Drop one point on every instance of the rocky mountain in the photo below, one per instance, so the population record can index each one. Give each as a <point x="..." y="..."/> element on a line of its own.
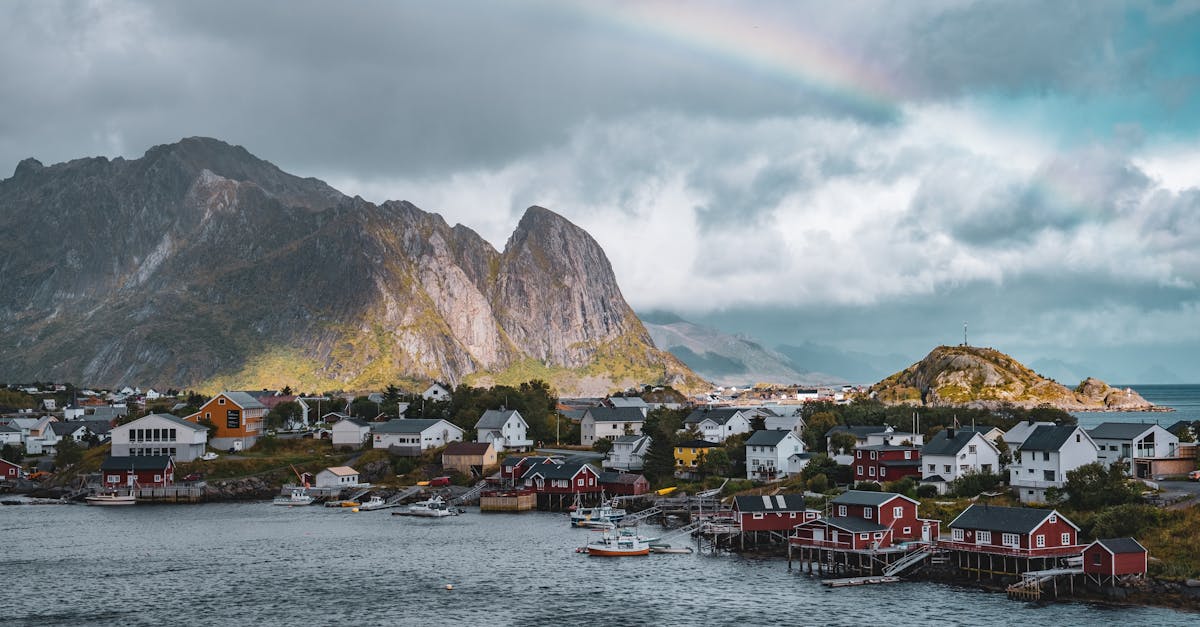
<point x="726" y="359"/>
<point x="984" y="377"/>
<point x="201" y="265"/>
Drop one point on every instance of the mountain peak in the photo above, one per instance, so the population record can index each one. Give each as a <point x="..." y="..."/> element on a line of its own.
<point x="28" y="166"/>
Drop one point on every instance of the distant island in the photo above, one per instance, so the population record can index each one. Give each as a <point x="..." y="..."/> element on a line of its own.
<point x="985" y="378"/>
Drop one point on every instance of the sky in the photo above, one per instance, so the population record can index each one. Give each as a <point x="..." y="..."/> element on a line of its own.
<point x="864" y="175"/>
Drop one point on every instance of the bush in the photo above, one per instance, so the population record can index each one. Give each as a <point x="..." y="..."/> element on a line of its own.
<point x="906" y="486"/>
<point x="1130" y="520"/>
<point x="819" y="483"/>
<point x="868" y="486"/>
<point x="974" y="483"/>
<point x="926" y="491"/>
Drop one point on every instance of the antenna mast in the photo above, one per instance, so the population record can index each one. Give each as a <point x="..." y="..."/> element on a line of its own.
<point x="965" y="334"/>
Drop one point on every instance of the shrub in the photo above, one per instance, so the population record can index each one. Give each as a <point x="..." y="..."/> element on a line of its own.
<point x="819" y="483"/>
<point x="868" y="486"/>
<point x="1130" y="520"/>
<point x="974" y="483"/>
<point x="926" y="491"/>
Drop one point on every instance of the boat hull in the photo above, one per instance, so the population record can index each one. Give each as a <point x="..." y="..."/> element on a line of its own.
<point x="610" y="552"/>
<point x="110" y="501"/>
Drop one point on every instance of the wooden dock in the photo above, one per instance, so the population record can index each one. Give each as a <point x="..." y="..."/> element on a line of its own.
<point x="857" y="581"/>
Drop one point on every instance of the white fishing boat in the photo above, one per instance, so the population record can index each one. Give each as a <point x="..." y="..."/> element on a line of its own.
<point x="373" y="503"/>
<point x="435" y="507"/>
<point x="111" y="497"/>
<point x="618" y="545"/>
<point x="600" y="517"/>
<point x="297" y="497"/>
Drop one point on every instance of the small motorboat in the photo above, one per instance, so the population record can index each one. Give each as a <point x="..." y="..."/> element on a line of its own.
<point x="435" y="507"/>
<point x="297" y="497"/>
<point x="618" y="545"/>
<point x="346" y="503"/>
<point x="111" y="497"/>
<point x="373" y="503"/>
<point x="596" y="516"/>
<point x="666" y="548"/>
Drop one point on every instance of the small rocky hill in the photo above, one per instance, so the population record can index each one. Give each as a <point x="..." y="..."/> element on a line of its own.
<point x="969" y="376"/>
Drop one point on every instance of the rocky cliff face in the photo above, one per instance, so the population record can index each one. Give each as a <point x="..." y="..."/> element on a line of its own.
<point x="983" y="377"/>
<point x="201" y="265"/>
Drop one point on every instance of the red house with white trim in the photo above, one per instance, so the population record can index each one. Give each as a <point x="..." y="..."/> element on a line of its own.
<point x="781" y="512"/>
<point x="10" y="471"/>
<point x="1114" y="557"/>
<point x="1018" y="531"/>
<point x="845" y="533"/>
<point x="147" y="471"/>
<point x="624" y="483"/>
<point x="512" y="468"/>
<point x="896" y="512"/>
<point x="551" y="478"/>
<point x="886" y="462"/>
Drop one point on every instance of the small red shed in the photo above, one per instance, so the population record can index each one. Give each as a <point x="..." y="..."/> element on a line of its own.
<point x="781" y="512"/>
<point x="147" y="471"/>
<point x="624" y="483"/>
<point x="1114" y="557"/>
<point x="9" y="471"/>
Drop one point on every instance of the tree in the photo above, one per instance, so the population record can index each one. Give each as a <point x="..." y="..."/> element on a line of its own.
<point x="659" y="463"/>
<point x="67" y="452"/>
<point x="842" y="442"/>
<point x="716" y="462"/>
<point x="13" y="453"/>
<point x="819" y="483"/>
<point x="816" y="426"/>
<point x="819" y="464"/>
<point x="1005" y="452"/>
<point x="1092" y="486"/>
<point x="602" y="445"/>
<point x="973" y="483"/>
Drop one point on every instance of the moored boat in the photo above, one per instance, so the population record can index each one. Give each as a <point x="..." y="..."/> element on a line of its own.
<point x="618" y="545"/>
<point x="297" y="497"/>
<point x="111" y="497"/>
<point x="435" y="507"/>
<point x="600" y="516"/>
<point x="374" y="502"/>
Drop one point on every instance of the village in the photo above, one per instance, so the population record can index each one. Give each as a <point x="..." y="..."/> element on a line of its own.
<point x="854" y="504"/>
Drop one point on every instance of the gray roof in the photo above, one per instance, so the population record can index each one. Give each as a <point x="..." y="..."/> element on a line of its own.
<point x="719" y="415"/>
<point x="696" y="444"/>
<point x="405" y="425"/>
<point x="852" y="524"/>
<point x="5" y="428"/>
<point x="359" y="422"/>
<point x="177" y="420"/>
<point x="864" y="497"/>
<point x="1003" y="519"/>
<point x="1122" y="545"/>
<point x="1119" y="430"/>
<point x="244" y="400"/>
<point x="943" y="444"/>
<point x="934" y="479"/>
<point x="628" y="439"/>
<point x="766" y="503"/>
<point x="615" y="414"/>
<point x="859" y="431"/>
<point x="627" y="401"/>
<point x="135" y="462"/>
<point x="108" y="412"/>
<point x="559" y="471"/>
<point x="767" y="438"/>
<point x="64" y="428"/>
<point x="495" y="418"/>
<point x="1045" y="438"/>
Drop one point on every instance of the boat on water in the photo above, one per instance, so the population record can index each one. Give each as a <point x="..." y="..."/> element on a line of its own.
<point x="435" y="507"/>
<point x="618" y="545"/>
<point x="666" y="548"/>
<point x="346" y="503"/>
<point x="111" y="497"/>
<point x="297" y="497"/>
<point x="374" y="502"/>
<point x="597" y="517"/>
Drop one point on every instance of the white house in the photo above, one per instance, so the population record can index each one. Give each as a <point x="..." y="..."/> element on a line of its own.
<point x="628" y="452"/>
<point x="159" y="434"/>
<point x="1020" y="431"/>
<point x="953" y="453"/>
<point x="793" y="422"/>
<point x="10" y="435"/>
<point x="769" y="454"/>
<point x="412" y="436"/>
<point x="1121" y="442"/>
<point x="505" y="429"/>
<point x="1046" y="456"/>
<point x="337" y="477"/>
<point x="350" y="432"/>
<point x="628" y="401"/>
<point x="716" y="425"/>
<point x="153" y="394"/>
<point x="436" y="392"/>
<point x="609" y="423"/>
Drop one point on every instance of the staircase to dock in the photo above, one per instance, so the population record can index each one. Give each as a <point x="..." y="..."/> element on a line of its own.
<point x="637" y="517"/>
<point x="470" y="495"/>
<point x="908" y="561"/>
<point x="403" y="494"/>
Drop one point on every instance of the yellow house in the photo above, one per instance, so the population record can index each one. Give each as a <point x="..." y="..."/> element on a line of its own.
<point x="689" y="454"/>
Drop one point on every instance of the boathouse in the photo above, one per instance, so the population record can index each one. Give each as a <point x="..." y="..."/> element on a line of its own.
<point x="553" y="482"/>
<point x="1021" y="531"/>
<point x="896" y="512"/>
<point x="1107" y="560"/>
<point x="624" y="483"/>
<point x="781" y="512"/>
<point x="10" y="471"/>
<point x="139" y="470"/>
<point x="842" y="533"/>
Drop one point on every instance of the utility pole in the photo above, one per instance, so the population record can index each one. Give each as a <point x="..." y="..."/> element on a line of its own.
<point x="965" y="334"/>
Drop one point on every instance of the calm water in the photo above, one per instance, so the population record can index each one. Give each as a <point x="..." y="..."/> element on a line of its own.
<point x="231" y="564"/>
<point x="1185" y="399"/>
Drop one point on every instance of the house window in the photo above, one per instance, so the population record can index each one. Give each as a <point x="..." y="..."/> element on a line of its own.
<point x="114" y="478"/>
<point x="858" y="470"/>
<point x="757" y="516"/>
<point x="220" y="401"/>
<point x="871" y="471"/>
<point x="897" y="512"/>
<point x="1066" y="539"/>
<point x="983" y="537"/>
<point x="1041" y="541"/>
<point x="580" y="482"/>
<point x="882" y="471"/>
<point x="907" y="530"/>
<point x="971" y="449"/>
<point x="864" y="536"/>
<point x="1077" y="438"/>
<point x="1048" y="475"/>
<point x="932" y="468"/>
<point x="867" y="513"/>
<point x="907" y="454"/>
<point x="1053" y="518"/>
<point x="957" y="534"/>
<point x="858" y="454"/>
<point x="1011" y="539"/>
<point x="1045" y="456"/>
<point x="841" y="510"/>
<point x="946" y="467"/>
<point x="158" y="477"/>
<point x="1096" y="561"/>
<point x="874" y="455"/>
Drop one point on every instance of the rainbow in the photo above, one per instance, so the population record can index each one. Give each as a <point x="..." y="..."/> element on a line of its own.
<point x="785" y="50"/>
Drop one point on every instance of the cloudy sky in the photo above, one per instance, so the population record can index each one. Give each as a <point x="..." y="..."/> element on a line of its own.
<point x="866" y="175"/>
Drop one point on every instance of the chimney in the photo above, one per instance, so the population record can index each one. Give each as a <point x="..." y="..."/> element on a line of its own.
<point x="950" y="433"/>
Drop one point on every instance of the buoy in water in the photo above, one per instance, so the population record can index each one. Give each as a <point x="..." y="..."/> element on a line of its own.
<point x="354" y="509"/>
<point x="449" y="586"/>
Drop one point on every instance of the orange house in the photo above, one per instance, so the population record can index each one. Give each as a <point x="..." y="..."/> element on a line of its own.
<point x="238" y="418"/>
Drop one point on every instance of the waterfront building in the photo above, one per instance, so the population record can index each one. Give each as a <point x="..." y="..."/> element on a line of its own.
<point x="337" y="477"/>
<point x="505" y="429"/>
<point x="717" y="424"/>
<point x="628" y="452"/>
<point x="1045" y="457"/>
<point x="624" y="483"/>
<point x="469" y="458"/>
<point x="562" y="478"/>
<point x="773" y="455"/>
<point x="236" y="417"/>
<point x="885" y="462"/>
<point x="895" y="511"/>
<point x="1111" y="558"/>
<point x="1136" y="446"/>
<point x="688" y="456"/>
<point x="159" y="434"/>
<point x="411" y="436"/>
<point x="9" y="471"/>
<point x="952" y="453"/>
<point x="512" y="468"/>
<point x="349" y="432"/>
<point x="146" y="471"/>
<point x="778" y="513"/>
<point x="1016" y="531"/>
<point x="609" y="423"/>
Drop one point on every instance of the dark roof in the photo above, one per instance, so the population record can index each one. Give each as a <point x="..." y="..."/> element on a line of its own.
<point x="628" y="439"/>
<point x="405" y="425"/>
<point x="65" y="428"/>
<point x="719" y="415"/>
<point x="1004" y="519"/>
<point x="1180" y="426"/>
<point x="174" y="419"/>
<point x="495" y="418"/>
<point x="852" y="524"/>
<point x="864" y="497"/>
<point x="615" y="414"/>
<point x="1119" y="430"/>
<point x="136" y="462"/>
<point x="767" y="503"/>
<point x="1047" y="438"/>
<point x="467" y="448"/>
<point x="8" y="428"/>
<point x="622" y="478"/>
<point x="887" y="447"/>
<point x="943" y="444"/>
<point x="560" y="471"/>
<point x="934" y="479"/>
<point x="695" y="444"/>
<point x="1119" y="546"/>
<point x="859" y="431"/>
<point x="767" y="437"/>
<point x="899" y="463"/>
